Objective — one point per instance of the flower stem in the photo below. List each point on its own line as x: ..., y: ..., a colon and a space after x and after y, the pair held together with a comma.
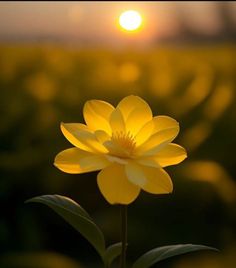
x: 123, y: 210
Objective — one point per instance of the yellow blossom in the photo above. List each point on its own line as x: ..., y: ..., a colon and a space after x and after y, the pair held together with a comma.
x: 127, y: 144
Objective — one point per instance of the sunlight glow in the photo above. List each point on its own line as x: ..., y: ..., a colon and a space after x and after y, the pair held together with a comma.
x: 130, y: 20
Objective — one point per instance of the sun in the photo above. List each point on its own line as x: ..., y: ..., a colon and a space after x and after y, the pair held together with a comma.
x: 130, y: 20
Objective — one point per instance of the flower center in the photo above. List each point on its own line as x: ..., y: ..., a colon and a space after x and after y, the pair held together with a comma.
x: 125, y: 140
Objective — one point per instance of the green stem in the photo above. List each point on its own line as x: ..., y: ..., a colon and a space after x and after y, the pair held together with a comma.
x: 123, y: 210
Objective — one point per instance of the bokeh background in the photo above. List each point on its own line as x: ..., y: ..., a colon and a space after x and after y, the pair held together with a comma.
x: 54, y: 57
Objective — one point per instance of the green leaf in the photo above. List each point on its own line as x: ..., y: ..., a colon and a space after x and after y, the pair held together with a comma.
x: 158, y: 254
x: 76, y: 216
x: 112, y: 252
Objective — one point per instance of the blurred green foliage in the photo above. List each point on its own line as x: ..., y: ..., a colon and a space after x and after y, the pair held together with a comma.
x: 42, y: 85
x: 37, y: 260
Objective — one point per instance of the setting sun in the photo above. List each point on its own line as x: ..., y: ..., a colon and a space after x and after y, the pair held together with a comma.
x: 130, y: 20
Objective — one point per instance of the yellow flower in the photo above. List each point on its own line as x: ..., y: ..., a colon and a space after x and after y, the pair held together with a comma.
x: 127, y: 144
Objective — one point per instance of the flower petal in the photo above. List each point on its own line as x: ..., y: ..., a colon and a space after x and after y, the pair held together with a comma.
x: 97, y: 114
x: 150, y: 179
x: 76, y: 161
x: 89, y: 139
x: 171, y: 154
x: 135, y: 174
x: 130, y: 103
x: 157, y: 141
x: 156, y: 124
x: 102, y: 136
x: 70, y: 131
x: 162, y: 122
x: 137, y: 119
x: 148, y: 161
x: 115, y: 187
x: 116, y: 159
x: 115, y: 149
x: 144, y: 133
x: 83, y: 139
x: 117, y: 121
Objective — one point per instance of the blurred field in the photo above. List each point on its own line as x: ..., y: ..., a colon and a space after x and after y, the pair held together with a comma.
x: 43, y: 85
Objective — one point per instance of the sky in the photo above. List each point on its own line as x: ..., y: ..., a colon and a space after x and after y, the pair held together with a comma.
x: 97, y: 21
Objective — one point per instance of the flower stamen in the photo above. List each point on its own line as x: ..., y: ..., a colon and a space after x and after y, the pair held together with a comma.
x: 124, y: 139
